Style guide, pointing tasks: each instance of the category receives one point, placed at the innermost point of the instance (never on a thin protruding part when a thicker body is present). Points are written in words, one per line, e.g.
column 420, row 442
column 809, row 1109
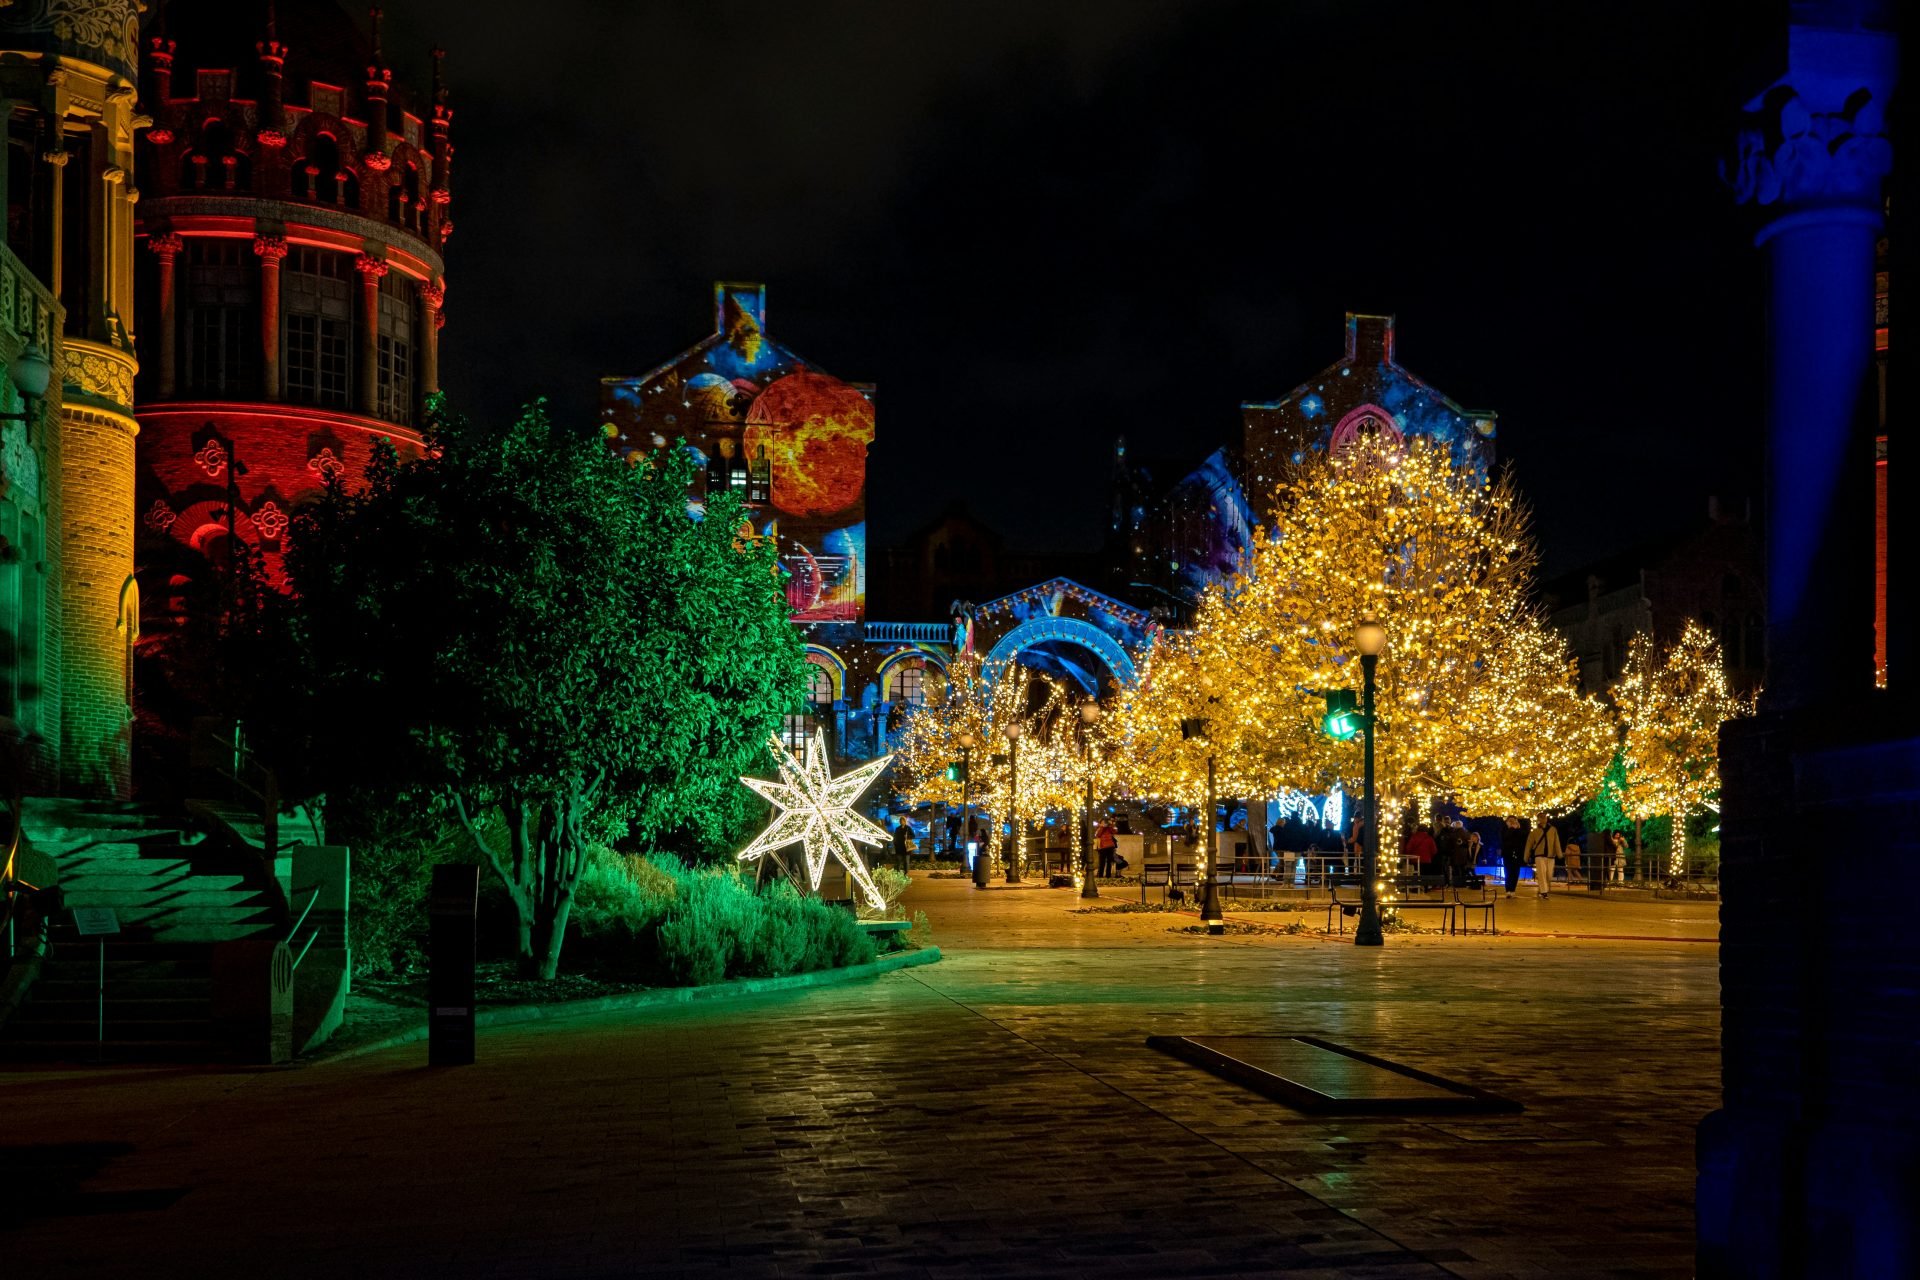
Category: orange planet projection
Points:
column 816, row 430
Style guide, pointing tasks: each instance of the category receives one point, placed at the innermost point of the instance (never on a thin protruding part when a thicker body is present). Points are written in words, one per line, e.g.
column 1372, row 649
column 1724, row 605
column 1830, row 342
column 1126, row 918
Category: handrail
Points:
column 313, row 937
column 10, row 887
column 303, row 915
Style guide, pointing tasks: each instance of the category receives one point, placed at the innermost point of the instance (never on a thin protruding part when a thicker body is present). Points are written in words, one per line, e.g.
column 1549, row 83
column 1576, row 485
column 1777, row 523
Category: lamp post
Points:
column 1369, row 637
column 967, row 743
column 1089, row 716
column 1013, row 803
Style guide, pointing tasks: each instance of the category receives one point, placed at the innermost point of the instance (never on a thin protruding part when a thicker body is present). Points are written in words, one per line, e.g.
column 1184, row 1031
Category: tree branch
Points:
column 460, row 807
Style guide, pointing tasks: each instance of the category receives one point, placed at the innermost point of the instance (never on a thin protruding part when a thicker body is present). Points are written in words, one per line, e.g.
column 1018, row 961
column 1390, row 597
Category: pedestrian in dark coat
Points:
column 1513, row 850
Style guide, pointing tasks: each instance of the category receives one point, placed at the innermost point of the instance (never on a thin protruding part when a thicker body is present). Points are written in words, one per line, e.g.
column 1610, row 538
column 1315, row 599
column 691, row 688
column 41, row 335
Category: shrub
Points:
column 892, row 883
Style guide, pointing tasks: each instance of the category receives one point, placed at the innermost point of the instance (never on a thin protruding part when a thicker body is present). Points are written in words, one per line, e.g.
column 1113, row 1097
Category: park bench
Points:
column 1485, row 906
column 1167, row 872
column 1351, row 906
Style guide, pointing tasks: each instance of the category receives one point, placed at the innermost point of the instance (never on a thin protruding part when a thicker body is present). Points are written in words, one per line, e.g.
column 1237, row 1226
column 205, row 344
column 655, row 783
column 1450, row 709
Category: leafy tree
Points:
column 1672, row 705
column 526, row 630
column 1607, row 810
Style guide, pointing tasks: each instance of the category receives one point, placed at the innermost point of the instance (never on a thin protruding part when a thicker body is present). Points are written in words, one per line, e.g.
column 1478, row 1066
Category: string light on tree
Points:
column 815, row 810
column 1672, row 706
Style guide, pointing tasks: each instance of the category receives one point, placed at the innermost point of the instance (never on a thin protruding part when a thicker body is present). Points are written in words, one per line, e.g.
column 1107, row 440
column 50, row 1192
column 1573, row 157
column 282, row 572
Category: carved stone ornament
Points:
column 212, row 458
column 102, row 31
column 326, row 465
column 370, row 266
column 270, row 248
column 99, row 376
column 159, row 517
column 271, row 521
column 1788, row 153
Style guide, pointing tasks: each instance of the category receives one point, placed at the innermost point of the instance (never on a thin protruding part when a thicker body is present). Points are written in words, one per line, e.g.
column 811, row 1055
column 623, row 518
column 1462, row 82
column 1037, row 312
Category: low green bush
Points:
column 689, row 926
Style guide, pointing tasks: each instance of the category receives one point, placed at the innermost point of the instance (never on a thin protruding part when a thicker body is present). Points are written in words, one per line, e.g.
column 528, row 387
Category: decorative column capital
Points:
column 1791, row 152
column 370, row 267
column 434, row 295
column 271, row 249
column 166, row 244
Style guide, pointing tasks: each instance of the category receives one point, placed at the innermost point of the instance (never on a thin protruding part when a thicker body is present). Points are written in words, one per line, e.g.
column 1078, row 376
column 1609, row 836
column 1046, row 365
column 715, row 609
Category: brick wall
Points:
column 96, row 567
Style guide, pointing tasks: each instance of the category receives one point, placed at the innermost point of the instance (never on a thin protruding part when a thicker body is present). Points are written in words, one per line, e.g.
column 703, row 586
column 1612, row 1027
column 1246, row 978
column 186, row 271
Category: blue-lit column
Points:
column 1813, row 154
column 1808, row 1168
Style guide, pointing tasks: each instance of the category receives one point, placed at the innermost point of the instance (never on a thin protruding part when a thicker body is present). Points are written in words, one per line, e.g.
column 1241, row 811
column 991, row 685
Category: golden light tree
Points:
column 1672, row 705
column 1401, row 532
column 1527, row 740
column 985, row 702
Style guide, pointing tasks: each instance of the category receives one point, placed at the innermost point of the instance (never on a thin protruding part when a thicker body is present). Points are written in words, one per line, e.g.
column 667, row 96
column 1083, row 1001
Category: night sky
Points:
column 1040, row 224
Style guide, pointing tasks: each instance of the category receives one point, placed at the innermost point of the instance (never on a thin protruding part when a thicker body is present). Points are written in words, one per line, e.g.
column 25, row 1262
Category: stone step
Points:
column 128, row 986
column 118, row 855
column 87, row 1050
column 41, row 1010
column 197, row 891
column 129, row 875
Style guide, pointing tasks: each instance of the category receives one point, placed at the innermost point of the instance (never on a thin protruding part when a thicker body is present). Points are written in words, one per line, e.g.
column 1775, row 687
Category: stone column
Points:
column 371, row 269
column 272, row 250
column 1813, row 155
column 1809, row 1167
column 432, row 298
column 166, row 246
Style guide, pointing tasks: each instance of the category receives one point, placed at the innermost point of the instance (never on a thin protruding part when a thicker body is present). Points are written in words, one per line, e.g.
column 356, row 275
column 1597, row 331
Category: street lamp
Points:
column 31, row 373
column 968, row 741
column 1013, row 803
column 1369, row 637
column 1089, row 716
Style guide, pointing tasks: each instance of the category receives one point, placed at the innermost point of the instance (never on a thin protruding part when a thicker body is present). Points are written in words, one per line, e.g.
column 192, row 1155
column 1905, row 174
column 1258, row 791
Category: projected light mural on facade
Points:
column 758, row 418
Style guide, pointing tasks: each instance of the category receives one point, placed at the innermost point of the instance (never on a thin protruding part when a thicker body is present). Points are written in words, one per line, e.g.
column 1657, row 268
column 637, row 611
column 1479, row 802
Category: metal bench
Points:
column 1351, row 907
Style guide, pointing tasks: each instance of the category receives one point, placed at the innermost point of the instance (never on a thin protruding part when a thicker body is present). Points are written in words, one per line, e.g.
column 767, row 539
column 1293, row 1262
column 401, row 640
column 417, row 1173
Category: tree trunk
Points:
column 560, row 857
column 1677, row 849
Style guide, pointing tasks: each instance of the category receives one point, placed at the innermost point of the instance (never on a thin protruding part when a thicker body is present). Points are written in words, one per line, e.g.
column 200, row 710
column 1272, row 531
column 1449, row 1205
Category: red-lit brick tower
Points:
column 294, row 210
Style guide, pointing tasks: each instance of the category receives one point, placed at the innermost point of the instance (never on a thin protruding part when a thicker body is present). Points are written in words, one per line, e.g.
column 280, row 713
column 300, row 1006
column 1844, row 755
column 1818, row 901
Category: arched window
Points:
column 907, row 682
column 328, row 180
column 819, row 684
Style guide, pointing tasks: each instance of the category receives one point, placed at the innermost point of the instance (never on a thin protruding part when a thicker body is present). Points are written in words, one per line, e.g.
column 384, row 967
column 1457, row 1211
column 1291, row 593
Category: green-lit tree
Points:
column 523, row 629
column 1607, row 810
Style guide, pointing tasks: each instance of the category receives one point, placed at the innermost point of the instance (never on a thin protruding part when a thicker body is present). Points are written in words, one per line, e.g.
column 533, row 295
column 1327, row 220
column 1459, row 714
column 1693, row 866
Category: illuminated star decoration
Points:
column 815, row 810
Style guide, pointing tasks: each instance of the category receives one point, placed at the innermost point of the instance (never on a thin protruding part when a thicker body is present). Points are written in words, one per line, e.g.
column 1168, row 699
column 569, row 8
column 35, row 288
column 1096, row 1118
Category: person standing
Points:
column 902, row 841
column 1543, row 850
column 1513, row 850
column 1617, row 842
column 1421, row 848
column 953, row 833
column 1107, row 841
column 1357, row 844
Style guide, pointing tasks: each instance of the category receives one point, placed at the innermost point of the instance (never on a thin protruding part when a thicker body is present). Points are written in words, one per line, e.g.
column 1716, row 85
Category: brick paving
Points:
column 996, row 1114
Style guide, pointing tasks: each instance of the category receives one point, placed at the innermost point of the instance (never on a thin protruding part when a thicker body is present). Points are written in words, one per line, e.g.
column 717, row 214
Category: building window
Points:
column 316, row 361
column 819, row 685
column 219, row 342
column 396, row 380
column 907, row 682
column 794, row 732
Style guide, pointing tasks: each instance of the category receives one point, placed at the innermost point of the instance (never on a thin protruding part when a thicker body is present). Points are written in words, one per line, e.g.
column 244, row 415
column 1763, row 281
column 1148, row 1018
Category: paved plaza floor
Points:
column 995, row 1114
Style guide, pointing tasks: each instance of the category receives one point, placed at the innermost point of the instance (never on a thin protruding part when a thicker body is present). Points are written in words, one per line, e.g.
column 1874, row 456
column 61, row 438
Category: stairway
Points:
column 175, row 895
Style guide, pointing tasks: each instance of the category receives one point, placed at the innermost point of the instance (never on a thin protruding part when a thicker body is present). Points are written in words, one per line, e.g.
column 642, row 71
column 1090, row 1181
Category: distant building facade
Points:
column 297, row 202
column 792, row 440
column 1170, row 538
column 1712, row 574
column 296, row 205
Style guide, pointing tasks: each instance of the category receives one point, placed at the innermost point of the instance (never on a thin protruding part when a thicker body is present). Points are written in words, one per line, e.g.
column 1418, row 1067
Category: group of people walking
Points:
column 1539, row 845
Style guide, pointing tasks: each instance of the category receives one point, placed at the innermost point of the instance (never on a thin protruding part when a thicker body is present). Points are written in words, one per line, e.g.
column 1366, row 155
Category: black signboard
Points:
column 450, row 958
